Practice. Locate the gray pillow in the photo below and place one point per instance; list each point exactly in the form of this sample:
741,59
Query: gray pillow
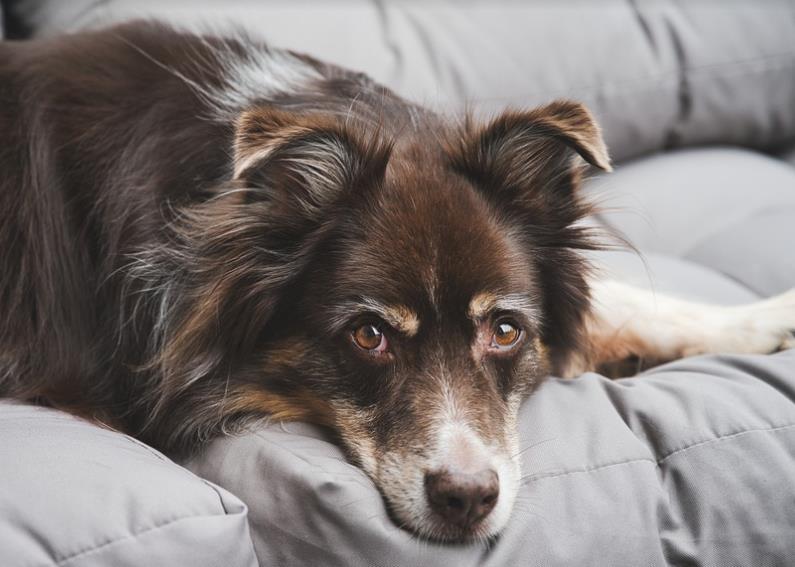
73,494
727,209
691,464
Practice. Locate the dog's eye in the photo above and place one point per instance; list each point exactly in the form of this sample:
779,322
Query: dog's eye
506,335
369,337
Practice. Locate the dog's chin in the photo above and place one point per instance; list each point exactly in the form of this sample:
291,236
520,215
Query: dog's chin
436,530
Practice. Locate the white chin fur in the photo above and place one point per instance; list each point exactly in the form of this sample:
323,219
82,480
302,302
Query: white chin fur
401,478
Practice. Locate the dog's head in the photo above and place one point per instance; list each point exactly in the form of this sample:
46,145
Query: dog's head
408,293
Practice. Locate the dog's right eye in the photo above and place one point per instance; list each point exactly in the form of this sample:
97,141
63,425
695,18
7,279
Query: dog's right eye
370,338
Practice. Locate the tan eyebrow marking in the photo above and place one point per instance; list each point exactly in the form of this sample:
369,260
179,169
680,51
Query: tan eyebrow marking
481,304
485,302
400,317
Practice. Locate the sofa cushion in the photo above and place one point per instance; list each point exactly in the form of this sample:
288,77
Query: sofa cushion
691,463
658,74
726,209
73,494
673,276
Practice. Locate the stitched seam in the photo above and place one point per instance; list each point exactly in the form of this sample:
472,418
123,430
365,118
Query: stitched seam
84,552
657,462
586,470
725,437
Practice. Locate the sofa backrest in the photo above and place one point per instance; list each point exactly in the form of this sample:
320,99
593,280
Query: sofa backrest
658,73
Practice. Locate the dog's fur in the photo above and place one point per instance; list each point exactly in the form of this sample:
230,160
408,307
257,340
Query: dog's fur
191,229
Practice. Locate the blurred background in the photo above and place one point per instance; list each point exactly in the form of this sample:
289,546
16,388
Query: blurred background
658,73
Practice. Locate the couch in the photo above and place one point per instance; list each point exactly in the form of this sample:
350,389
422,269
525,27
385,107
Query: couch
690,463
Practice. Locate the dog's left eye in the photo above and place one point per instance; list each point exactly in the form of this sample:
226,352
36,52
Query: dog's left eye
506,335
370,337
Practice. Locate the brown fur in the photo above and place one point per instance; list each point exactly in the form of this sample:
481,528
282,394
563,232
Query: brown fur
181,268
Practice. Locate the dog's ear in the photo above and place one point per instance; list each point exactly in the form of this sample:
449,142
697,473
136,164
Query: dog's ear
526,164
527,161
300,164
243,248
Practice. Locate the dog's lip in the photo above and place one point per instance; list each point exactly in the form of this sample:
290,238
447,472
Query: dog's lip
447,533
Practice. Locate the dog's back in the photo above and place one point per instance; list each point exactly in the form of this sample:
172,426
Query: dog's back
102,133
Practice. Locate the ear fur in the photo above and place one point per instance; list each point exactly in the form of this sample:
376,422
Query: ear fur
524,162
523,143
304,162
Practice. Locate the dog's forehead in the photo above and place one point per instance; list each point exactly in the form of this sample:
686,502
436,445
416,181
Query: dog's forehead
431,238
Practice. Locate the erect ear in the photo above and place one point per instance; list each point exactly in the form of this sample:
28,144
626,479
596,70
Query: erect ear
528,160
526,164
301,163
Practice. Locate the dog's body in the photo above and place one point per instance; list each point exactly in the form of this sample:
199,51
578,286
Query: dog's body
199,232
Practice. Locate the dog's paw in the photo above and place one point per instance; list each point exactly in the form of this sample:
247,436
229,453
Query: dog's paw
758,328
780,311
769,324
789,342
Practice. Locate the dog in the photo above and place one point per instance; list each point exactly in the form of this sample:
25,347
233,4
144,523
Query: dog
200,232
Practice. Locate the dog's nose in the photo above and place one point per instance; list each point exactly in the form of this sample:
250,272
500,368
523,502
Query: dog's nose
462,498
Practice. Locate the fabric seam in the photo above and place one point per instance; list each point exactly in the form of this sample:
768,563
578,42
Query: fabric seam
64,560
657,462
724,438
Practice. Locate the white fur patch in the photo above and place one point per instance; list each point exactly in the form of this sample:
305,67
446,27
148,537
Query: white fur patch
631,321
259,75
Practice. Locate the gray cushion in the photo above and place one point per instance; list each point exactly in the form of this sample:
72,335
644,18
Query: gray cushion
673,276
73,494
690,464
726,209
658,74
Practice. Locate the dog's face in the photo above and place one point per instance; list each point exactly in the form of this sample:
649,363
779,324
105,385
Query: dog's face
425,287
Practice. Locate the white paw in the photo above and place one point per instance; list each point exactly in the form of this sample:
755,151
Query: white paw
778,313
761,327
767,326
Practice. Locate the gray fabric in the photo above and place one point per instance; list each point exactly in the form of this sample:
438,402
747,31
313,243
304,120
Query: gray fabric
670,202
758,250
658,73
672,276
690,464
725,213
72,494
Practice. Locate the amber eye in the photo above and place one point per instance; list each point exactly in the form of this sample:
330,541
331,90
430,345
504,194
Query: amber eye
369,337
506,334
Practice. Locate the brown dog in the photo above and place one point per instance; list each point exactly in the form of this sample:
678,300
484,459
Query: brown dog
199,232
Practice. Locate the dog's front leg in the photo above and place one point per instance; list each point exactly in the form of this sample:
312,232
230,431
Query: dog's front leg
632,324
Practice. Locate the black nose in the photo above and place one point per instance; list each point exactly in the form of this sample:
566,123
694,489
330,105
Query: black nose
460,498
